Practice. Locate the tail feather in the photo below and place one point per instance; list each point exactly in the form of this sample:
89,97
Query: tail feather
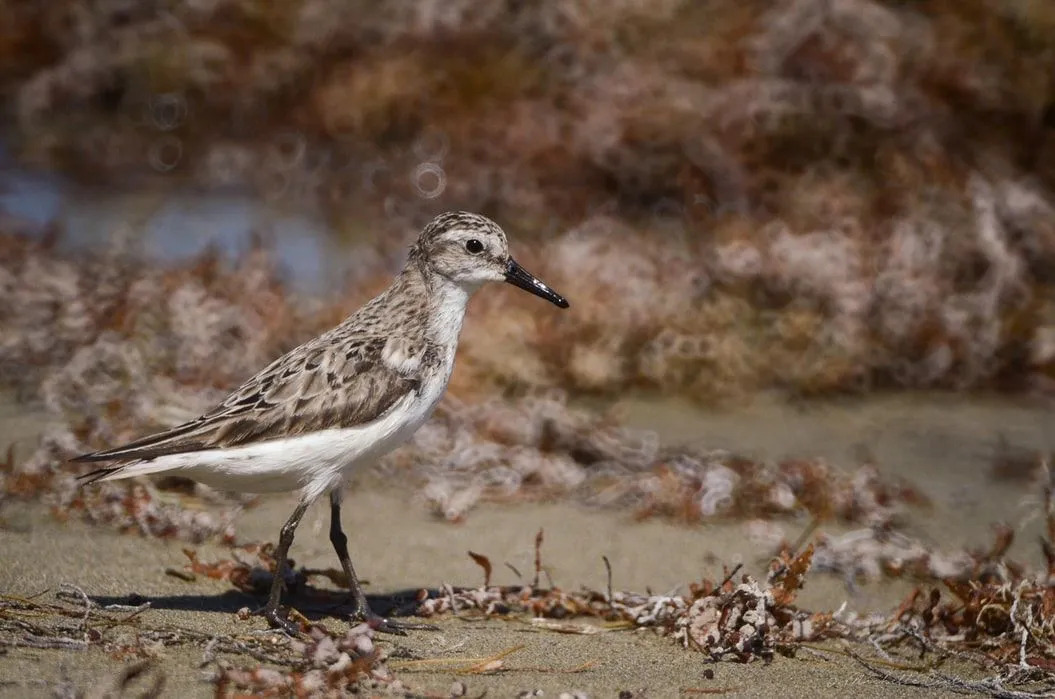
96,475
177,440
137,451
130,470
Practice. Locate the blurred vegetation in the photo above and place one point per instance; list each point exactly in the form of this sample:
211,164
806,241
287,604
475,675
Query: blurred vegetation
817,195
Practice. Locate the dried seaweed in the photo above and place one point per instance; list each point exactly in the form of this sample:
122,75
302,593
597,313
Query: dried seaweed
823,196
1000,620
323,660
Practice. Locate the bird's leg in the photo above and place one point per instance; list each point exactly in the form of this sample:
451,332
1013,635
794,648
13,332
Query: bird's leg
285,539
362,607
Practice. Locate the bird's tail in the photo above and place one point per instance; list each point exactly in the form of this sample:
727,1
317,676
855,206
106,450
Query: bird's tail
97,475
131,470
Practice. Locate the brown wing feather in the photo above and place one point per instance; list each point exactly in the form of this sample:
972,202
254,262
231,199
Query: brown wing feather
315,387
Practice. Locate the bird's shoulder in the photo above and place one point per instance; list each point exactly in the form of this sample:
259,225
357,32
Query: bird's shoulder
348,376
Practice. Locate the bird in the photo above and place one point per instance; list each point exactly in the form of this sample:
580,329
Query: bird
340,401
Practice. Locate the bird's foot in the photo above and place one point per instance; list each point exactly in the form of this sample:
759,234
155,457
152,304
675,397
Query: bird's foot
392,626
398,628
275,620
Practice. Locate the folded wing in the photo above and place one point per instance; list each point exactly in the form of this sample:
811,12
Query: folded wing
317,386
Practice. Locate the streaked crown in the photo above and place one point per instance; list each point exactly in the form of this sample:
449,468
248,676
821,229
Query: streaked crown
466,221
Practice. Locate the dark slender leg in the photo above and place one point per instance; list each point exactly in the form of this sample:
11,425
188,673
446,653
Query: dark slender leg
285,539
362,607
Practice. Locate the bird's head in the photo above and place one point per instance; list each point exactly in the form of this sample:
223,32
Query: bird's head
471,250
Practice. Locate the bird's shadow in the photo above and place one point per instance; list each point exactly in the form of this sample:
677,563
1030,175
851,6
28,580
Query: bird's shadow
313,602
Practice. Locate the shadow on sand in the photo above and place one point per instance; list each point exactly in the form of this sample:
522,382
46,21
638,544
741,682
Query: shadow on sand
314,603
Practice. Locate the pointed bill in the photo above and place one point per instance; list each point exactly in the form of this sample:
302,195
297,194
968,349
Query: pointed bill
518,276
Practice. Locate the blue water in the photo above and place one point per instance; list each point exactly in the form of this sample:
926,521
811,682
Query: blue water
174,225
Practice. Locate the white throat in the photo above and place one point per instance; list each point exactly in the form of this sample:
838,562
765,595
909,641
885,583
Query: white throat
447,312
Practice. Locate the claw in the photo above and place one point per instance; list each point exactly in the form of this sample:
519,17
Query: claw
277,621
398,628
377,622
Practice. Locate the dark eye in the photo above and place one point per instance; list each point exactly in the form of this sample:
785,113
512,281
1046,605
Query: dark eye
474,246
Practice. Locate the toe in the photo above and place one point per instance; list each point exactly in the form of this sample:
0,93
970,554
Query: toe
398,628
276,621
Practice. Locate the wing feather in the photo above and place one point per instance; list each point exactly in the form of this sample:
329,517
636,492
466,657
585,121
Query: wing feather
317,386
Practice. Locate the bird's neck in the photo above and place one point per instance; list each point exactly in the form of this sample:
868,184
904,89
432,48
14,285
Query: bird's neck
446,313
444,304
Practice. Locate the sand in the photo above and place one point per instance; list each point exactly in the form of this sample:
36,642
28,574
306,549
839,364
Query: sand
398,545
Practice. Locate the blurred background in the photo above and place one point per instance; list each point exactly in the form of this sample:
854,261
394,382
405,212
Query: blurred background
809,247
815,195
746,202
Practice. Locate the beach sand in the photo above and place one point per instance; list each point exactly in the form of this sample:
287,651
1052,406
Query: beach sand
398,545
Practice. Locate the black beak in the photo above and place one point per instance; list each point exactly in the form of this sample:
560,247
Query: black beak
518,276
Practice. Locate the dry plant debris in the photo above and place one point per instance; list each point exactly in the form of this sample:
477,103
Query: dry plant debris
741,620
999,621
322,662
995,616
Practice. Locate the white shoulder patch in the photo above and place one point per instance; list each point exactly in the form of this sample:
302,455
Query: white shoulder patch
402,355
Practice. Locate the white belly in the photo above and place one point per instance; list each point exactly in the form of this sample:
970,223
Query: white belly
313,462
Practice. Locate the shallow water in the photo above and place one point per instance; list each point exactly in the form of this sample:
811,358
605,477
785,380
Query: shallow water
173,224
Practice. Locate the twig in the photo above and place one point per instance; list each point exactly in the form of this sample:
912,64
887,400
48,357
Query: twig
34,641
485,563
707,690
69,589
136,611
845,650
810,528
491,663
588,665
729,577
183,575
469,665
879,649
991,687
608,567
208,654
450,598
538,558
1023,628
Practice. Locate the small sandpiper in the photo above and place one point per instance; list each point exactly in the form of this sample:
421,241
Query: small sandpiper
339,402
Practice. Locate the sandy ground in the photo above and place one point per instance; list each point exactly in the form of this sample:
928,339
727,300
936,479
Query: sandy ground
946,447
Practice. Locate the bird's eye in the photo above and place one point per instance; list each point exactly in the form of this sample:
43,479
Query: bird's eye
474,246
